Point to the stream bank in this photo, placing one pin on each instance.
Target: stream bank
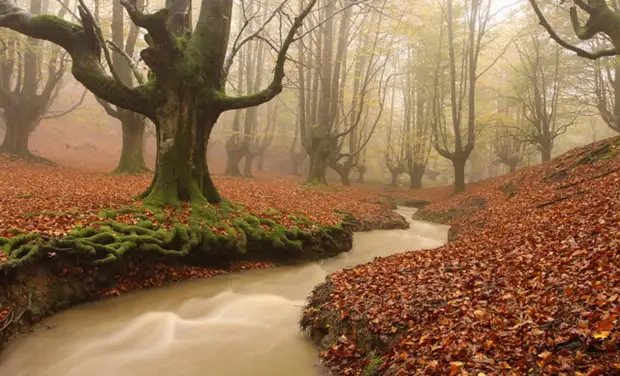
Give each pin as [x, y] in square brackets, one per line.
[52, 282]
[198, 325]
[528, 283]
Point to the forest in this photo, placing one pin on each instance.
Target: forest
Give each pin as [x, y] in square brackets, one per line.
[450, 166]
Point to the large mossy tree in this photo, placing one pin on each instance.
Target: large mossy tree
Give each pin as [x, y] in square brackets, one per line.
[185, 93]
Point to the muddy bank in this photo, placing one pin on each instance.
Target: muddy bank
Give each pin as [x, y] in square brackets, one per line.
[51, 282]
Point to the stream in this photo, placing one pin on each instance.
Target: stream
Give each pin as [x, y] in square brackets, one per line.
[231, 325]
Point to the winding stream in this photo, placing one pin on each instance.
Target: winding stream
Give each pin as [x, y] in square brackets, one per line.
[231, 325]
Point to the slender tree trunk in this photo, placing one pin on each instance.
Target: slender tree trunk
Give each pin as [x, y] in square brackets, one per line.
[132, 153]
[260, 165]
[247, 167]
[459, 174]
[360, 177]
[394, 181]
[235, 151]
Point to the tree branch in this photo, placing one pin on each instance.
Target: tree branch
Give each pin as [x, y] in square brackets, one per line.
[579, 51]
[275, 87]
[130, 62]
[84, 52]
[68, 110]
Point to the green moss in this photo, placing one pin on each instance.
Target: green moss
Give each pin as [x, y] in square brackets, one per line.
[372, 368]
[160, 217]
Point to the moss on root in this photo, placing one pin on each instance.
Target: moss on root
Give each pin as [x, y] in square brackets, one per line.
[212, 232]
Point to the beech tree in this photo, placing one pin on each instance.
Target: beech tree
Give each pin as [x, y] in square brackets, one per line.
[454, 136]
[603, 19]
[607, 91]
[335, 127]
[31, 75]
[508, 149]
[395, 150]
[249, 76]
[185, 93]
[133, 124]
[541, 88]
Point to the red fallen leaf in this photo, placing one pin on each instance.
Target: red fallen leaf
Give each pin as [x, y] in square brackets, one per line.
[455, 367]
[545, 278]
[596, 370]
[606, 325]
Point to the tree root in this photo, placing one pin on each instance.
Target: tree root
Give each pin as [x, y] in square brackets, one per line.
[110, 241]
[563, 198]
[10, 318]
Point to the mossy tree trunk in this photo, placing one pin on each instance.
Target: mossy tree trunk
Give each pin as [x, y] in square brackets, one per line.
[132, 154]
[185, 93]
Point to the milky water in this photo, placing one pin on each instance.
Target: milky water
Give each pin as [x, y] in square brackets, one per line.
[232, 325]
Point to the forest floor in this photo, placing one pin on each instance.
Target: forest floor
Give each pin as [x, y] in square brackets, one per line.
[529, 283]
[68, 235]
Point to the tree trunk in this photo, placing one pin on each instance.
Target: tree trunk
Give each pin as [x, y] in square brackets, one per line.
[181, 173]
[16, 138]
[545, 151]
[317, 173]
[360, 177]
[247, 166]
[297, 159]
[344, 172]
[261, 161]
[459, 174]
[394, 181]
[415, 176]
[513, 166]
[235, 151]
[132, 154]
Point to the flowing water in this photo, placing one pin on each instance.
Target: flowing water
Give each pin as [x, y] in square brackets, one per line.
[231, 325]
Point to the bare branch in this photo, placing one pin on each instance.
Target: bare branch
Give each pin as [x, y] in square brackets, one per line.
[68, 110]
[579, 51]
[130, 61]
[275, 87]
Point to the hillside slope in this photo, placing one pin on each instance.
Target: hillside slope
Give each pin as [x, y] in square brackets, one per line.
[529, 284]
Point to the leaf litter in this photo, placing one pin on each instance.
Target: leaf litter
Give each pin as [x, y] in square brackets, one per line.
[525, 288]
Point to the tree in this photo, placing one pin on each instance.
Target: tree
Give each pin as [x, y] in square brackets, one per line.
[508, 149]
[542, 89]
[395, 151]
[418, 135]
[250, 65]
[132, 124]
[332, 134]
[455, 139]
[185, 93]
[602, 19]
[607, 91]
[28, 86]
